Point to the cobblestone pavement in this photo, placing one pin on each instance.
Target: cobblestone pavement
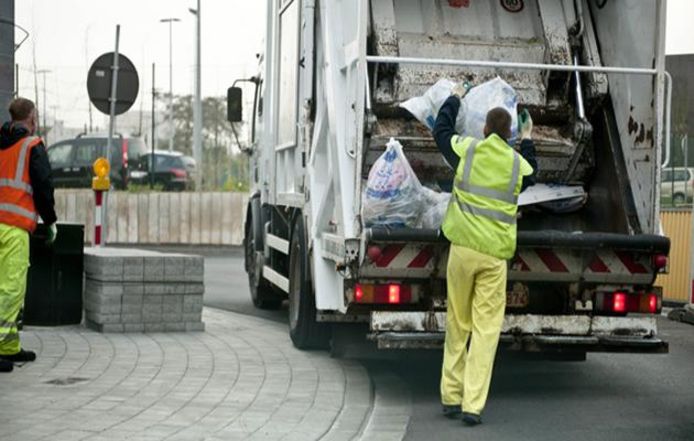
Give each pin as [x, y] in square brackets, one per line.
[241, 379]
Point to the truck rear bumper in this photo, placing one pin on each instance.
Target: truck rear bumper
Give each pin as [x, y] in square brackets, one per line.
[534, 333]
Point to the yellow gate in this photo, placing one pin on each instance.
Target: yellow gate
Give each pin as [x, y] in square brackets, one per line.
[677, 283]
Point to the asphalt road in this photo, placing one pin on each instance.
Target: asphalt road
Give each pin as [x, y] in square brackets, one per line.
[607, 397]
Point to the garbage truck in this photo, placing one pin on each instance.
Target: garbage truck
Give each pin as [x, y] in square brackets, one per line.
[326, 101]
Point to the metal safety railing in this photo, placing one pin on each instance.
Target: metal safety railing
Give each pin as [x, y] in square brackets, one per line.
[376, 59]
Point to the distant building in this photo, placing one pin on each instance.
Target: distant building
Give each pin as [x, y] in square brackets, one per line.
[6, 57]
[681, 67]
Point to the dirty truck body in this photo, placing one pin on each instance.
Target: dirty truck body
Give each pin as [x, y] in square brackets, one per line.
[592, 76]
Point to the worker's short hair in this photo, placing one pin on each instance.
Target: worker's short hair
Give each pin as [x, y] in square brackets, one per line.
[499, 122]
[21, 108]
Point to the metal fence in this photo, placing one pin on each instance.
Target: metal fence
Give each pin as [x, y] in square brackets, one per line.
[677, 283]
[209, 218]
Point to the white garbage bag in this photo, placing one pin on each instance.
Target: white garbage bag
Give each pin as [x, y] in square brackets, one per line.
[426, 107]
[393, 195]
[474, 106]
[480, 100]
[434, 208]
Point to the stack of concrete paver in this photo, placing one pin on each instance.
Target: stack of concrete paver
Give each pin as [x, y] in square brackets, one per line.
[129, 290]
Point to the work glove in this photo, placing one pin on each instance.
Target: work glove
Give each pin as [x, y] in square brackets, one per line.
[461, 89]
[525, 125]
[52, 234]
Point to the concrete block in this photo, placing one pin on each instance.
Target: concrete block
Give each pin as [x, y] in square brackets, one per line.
[103, 318]
[192, 303]
[155, 288]
[150, 299]
[194, 268]
[175, 327]
[94, 306]
[133, 289]
[174, 268]
[154, 269]
[192, 316]
[194, 288]
[133, 269]
[151, 314]
[195, 327]
[133, 317]
[99, 288]
[172, 317]
[154, 327]
[104, 327]
[131, 304]
[133, 327]
[172, 304]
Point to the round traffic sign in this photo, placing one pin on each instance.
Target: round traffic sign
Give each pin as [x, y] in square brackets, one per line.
[99, 83]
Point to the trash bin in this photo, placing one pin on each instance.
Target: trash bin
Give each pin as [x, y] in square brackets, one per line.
[54, 284]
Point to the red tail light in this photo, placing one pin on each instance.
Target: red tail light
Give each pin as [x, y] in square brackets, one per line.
[619, 302]
[358, 293]
[652, 303]
[391, 294]
[179, 173]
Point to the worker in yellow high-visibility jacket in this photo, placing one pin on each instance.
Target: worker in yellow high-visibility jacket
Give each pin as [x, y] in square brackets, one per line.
[481, 225]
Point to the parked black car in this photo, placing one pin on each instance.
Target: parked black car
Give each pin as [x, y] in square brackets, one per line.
[174, 171]
[72, 160]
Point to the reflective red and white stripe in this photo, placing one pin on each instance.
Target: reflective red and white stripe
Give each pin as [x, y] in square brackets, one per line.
[404, 256]
[98, 214]
[603, 262]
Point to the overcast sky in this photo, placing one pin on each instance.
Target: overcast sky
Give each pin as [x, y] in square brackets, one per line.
[69, 34]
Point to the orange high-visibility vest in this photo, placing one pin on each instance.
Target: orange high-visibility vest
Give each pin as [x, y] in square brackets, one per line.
[16, 194]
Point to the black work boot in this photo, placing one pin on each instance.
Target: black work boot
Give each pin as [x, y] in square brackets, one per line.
[6, 366]
[471, 419]
[452, 411]
[20, 356]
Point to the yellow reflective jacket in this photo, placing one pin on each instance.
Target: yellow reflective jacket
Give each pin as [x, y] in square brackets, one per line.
[482, 212]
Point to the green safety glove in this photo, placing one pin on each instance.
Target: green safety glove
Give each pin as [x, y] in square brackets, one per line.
[525, 125]
[461, 89]
[52, 234]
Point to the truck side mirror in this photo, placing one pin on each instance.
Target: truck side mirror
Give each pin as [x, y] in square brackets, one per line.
[234, 104]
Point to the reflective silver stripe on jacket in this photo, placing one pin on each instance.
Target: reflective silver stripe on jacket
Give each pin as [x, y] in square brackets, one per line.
[508, 196]
[492, 214]
[22, 157]
[16, 209]
[19, 185]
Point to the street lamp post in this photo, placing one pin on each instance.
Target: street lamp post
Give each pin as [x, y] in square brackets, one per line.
[197, 105]
[170, 21]
[43, 72]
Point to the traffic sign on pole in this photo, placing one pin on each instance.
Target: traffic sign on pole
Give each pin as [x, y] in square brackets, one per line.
[99, 83]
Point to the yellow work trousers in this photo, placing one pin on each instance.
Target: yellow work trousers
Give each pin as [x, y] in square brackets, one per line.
[476, 305]
[14, 264]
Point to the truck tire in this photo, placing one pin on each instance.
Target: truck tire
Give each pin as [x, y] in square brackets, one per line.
[263, 294]
[304, 330]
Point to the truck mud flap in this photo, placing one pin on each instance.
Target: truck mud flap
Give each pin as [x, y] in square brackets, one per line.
[529, 343]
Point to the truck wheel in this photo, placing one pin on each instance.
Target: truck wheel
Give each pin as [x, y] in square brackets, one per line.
[263, 294]
[304, 330]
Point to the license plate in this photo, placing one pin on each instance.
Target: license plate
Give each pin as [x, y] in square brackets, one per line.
[518, 297]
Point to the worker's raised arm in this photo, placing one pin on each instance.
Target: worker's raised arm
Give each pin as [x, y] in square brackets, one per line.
[444, 129]
[527, 149]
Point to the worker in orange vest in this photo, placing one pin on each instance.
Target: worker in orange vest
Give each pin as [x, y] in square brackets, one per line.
[26, 192]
